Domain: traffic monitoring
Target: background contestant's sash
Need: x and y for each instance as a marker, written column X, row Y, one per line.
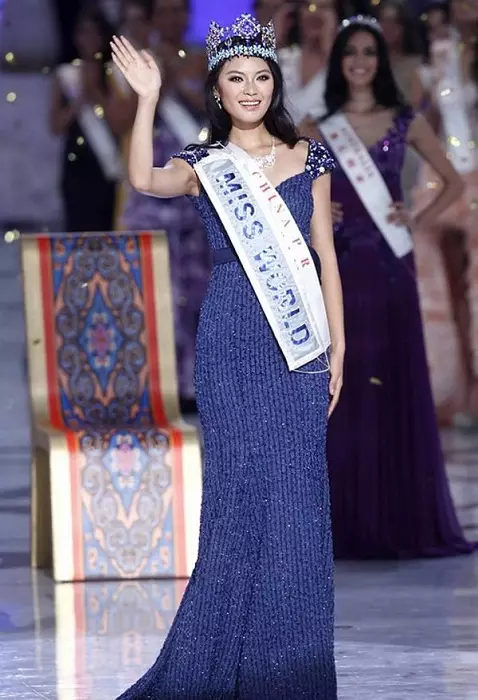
column 94, row 127
column 366, row 180
column 179, row 120
column 272, row 251
column 451, row 101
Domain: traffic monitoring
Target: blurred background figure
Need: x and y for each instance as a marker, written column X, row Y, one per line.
column 135, row 22
column 84, row 112
column 401, row 33
column 306, row 32
column 447, row 254
column 180, row 121
column 266, row 10
column 67, row 12
column 435, row 23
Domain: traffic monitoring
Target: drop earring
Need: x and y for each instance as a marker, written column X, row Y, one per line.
column 218, row 100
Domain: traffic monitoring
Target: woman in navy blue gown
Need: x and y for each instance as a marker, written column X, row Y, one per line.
column 256, row 620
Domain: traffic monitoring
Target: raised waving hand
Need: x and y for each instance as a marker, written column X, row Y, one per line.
column 138, row 67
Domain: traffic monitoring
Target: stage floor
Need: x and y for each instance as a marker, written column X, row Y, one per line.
column 404, row 630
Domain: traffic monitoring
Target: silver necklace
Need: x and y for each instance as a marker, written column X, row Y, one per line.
column 269, row 160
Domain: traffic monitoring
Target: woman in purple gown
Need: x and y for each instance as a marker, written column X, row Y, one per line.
column 389, row 491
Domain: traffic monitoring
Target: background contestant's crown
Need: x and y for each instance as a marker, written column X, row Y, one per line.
column 245, row 37
column 361, row 20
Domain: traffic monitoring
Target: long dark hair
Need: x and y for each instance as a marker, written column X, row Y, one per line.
column 411, row 45
column 384, row 87
column 277, row 120
column 89, row 12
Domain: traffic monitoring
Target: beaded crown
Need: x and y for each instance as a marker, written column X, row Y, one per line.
column 361, row 20
column 245, row 37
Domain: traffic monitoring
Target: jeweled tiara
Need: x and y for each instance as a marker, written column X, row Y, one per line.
column 245, row 37
column 361, row 20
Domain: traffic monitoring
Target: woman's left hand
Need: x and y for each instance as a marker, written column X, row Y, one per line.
column 399, row 214
column 336, row 381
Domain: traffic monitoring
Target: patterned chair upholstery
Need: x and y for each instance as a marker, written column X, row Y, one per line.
column 116, row 477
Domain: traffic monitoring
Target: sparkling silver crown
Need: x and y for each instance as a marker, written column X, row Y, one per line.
column 245, row 37
column 361, row 20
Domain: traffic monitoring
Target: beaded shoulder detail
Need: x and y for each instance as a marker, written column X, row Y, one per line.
column 319, row 159
column 192, row 156
column 403, row 119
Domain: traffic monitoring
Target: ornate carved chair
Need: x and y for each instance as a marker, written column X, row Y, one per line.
column 116, row 477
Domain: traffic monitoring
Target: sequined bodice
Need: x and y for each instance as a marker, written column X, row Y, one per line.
column 388, row 155
column 357, row 229
column 296, row 191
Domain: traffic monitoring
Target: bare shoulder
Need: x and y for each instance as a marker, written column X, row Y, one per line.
column 302, row 147
column 295, row 156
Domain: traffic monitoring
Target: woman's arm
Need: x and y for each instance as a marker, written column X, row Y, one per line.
column 418, row 95
column 175, row 179
column 422, row 137
column 323, row 242
column 142, row 73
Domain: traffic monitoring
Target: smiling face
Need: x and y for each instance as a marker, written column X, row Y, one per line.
column 245, row 86
column 360, row 61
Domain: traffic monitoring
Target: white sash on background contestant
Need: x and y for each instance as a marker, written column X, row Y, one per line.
column 452, row 104
column 272, row 251
column 179, row 121
column 93, row 126
column 366, row 180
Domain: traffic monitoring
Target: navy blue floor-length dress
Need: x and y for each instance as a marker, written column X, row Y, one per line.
column 256, row 621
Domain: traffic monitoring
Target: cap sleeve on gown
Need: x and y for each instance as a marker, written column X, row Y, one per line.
column 191, row 156
column 319, row 159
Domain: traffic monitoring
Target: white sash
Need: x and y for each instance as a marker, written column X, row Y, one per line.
column 95, row 128
column 451, row 101
column 179, row 121
column 364, row 176
column 272, row 251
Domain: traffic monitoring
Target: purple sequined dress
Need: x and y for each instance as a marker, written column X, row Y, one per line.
column 390, row 496
column 188, row 252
